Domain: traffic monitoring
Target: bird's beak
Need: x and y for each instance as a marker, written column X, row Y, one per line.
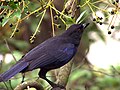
column 85, row 25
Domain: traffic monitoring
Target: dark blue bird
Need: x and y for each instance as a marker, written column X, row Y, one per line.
column 51, row 54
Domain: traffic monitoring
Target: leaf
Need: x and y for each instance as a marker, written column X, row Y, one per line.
column 5, row 7
column 80, row 17
column 17, row 14
column 13, row 5
column 5, row 20
column 69, row 20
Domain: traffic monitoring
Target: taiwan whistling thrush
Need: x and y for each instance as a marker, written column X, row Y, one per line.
column 51, row 54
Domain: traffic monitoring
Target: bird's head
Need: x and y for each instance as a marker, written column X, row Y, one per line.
column 75, row 30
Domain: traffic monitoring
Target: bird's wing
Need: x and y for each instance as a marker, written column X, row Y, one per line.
column 60, row 56
column 38, row 51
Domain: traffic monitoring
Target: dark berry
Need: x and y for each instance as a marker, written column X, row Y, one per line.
column 12, row 35
column 59, row 26
column 32, row 42
column 112, row 27
column 100, row 23
column 58, row 14
column 1, row 18
column 114, row 3
column 117, row 1
column 72, row 17
column 100, row 18
column 5, row 13
column 112, row 12
column 94, row 19
column 17, row 30
column 11, row 25
column 55, row 17
column 78, row 7
column 66, row 11
column 109, row 32
column 28, row 12
column 97, row 21
column 19, row 0
column 16, row 2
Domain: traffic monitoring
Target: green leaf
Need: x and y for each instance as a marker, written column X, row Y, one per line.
column 5, row 20
column 5, row 7
column 80, row 17
column 17, row 14
column 69, row 20
column 13, row 5
column 17, row 54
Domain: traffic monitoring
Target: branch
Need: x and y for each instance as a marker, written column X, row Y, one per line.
column 28, row 85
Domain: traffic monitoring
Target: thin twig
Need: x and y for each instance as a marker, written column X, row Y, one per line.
column 53, row 29
column 10, row 50
column 33, row 36
column 115, row 70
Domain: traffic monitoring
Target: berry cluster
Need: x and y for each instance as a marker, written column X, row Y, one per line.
column 98, row 20
column 113, row 12
column 56, row 17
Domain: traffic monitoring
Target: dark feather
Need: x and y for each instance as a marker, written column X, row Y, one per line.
column 13, row 71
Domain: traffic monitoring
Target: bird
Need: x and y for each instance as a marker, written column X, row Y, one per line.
column 51, row 54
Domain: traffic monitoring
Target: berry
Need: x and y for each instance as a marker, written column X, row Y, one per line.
column 112, row 27
column 19, row 0
column 55, row 17
column 17, row 30
column 15, row 2
column 94, row 19
column 32, row 42
column 59, row 26
column 72, row 17
column 5, row 13
column 11, row 25
column 12, row 35
column 113, row 3
column 58, row 14
column 78, row 7
column 100, row 18
column 28, row 12
column 109, row 32
column 112, row 12
column 117, row 1
column 1, row 18
column 100, row 23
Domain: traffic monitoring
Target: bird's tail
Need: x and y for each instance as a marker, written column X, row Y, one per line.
column 13, row 71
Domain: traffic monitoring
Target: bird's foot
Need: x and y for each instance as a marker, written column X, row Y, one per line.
column 58, row 87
